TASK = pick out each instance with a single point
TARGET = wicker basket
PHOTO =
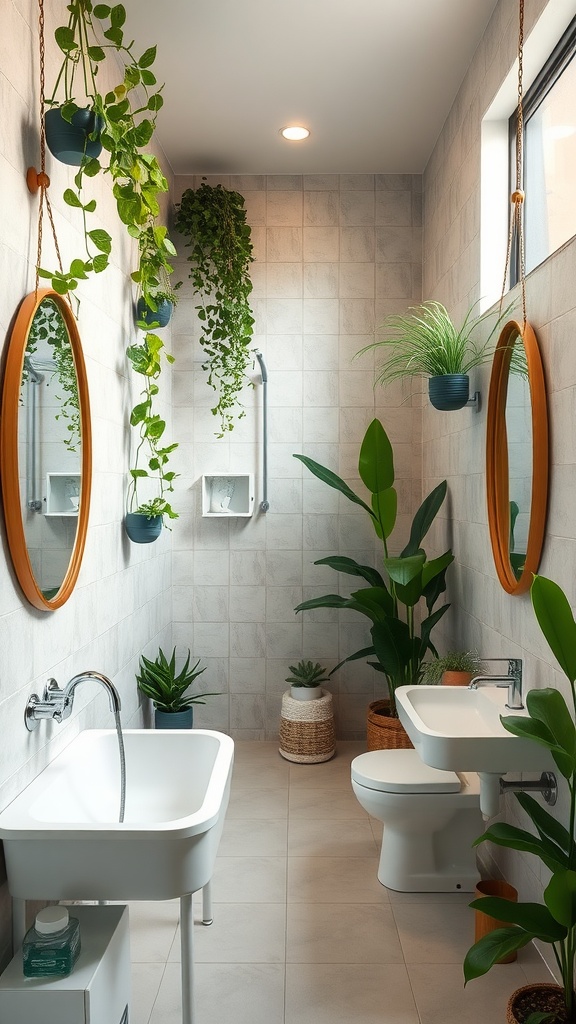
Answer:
(547, 989)
(384, 732)
(307, 729)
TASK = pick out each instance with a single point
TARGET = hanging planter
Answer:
(142, 529)
(160, 317)
(72, 142)
(449, 391)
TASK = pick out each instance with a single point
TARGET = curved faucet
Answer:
(513, 681)
(56, 703)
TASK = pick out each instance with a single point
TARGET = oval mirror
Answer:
(45, 449)
(517, 457)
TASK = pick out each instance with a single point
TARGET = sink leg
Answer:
(187, 957)
(207, 904)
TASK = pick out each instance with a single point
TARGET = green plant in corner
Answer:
(146, 361)
(166, 687)
(213, 219)
(389, 601)
(551, 724)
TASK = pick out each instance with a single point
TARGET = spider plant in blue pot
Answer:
(168, 689)
(551, 724)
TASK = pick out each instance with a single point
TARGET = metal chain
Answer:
(517, 197)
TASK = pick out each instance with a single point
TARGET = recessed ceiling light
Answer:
(295, 132)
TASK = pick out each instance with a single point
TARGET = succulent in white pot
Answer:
(306, 680)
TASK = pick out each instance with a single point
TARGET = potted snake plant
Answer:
(168, 689)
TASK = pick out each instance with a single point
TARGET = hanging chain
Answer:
(43, 180)
(517, 197)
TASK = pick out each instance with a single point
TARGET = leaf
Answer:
(90, 207)
(544, 822)
(148, 57)
(333, 480)
(101, 239)
(556, 621)
(376, 462)
(491, 948)
(71, 198)
(64, 37)
(519, 839)
(560, 898)
(424, 518)
(403, 570)
(384, 505)
(376, 602)
(100, 263)
(102, 11)
(328, 601)
(96, 53)
(549, 725)
(532, 917)
(344, 564)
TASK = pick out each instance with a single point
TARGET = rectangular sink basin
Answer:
(458, 729)
(62, 838)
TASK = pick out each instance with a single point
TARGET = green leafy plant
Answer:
(49, 327)
(551, 724)
(307, 673)
(213, 219)
(453, 661)
(166, 687)
(146, 361)
(390, 600)
(425, 342)
(95, 34)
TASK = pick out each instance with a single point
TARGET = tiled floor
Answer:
(303, 931)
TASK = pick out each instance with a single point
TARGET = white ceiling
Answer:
(373, 80)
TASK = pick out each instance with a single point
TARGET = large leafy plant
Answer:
(213, 219)
(125, 119)
(549, 723)
(404, 581)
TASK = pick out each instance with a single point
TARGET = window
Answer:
(549, 110)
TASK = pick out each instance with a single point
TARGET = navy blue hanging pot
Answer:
(69, 141)
(449, 391)
(141, 529)
(159, 317)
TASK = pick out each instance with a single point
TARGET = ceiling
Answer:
(373, 80)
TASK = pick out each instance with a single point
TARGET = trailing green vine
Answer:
(49, 327)
(213, 219)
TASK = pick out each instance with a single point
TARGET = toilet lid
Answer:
(401, 771)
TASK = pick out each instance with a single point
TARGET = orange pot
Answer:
(483, 924)
(456, 678)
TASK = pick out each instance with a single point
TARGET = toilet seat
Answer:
(401, 771)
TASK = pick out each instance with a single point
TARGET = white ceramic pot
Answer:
(305, 692)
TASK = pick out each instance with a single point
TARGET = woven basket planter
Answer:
(542, 997)
(383, 732)
(307, 729)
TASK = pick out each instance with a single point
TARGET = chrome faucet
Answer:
(513, 681)
(56, 703)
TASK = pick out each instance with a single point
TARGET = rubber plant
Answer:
(395, 590)
(213, 220)
(549, 723)
(93, 36)
(146, 361)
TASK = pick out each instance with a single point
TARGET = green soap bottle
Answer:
(51, 947)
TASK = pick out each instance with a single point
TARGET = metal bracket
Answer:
(474, 402)
(546, 785)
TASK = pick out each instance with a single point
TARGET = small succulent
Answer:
(305, 673)
(159, 681)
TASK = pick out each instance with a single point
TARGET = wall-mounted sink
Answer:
(62, 838)
(459, 729)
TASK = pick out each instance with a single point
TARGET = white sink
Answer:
(62, 838)
(459, 729)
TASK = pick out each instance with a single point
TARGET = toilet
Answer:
(430, 817)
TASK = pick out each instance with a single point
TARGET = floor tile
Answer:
(249, 880)
(243, 837)
(241, 933)
(326, 838)
(354, 879)
(441, 997)
(152, 930)
(336, 933)
(346, 993)
(434, 933)
(226, 994)
(328, 801)
(145, 980)
(258, 802)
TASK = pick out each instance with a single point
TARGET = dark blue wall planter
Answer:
(174, 719)
(142, 530)
(68, 141)
(159, 317)
(449, 391)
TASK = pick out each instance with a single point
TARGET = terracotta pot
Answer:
(382, 731)
(539, 997)
(452, 678)
(483, 923)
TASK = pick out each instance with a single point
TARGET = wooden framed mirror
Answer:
(45, 449)
(517, 457)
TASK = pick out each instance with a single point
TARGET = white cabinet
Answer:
(227, 494)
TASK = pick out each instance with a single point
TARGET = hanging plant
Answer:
(49, 328)
(118, 124)
(213, 219)
(146, 361)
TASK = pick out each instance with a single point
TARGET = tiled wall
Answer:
(333, 255)
(483, 615)
(121, 605)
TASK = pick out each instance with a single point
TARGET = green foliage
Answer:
(146, 361)
(425, 342)
(213, 220)
(550, 724)
(166, 687)
(125, 128)
(407, 580)
(453, 661)
(307, 673)
(48, 326)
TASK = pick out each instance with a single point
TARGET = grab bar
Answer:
(264, 504)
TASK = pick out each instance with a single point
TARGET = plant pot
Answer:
(305, 692)
(449, 391)
(540, 997)
(483, 923)
(453, 678)
(141, 529)
(384, 732)
(174, 719)
(160, 317)
(69, 141)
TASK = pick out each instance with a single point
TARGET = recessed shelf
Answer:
(226, 495)
(62, 494)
